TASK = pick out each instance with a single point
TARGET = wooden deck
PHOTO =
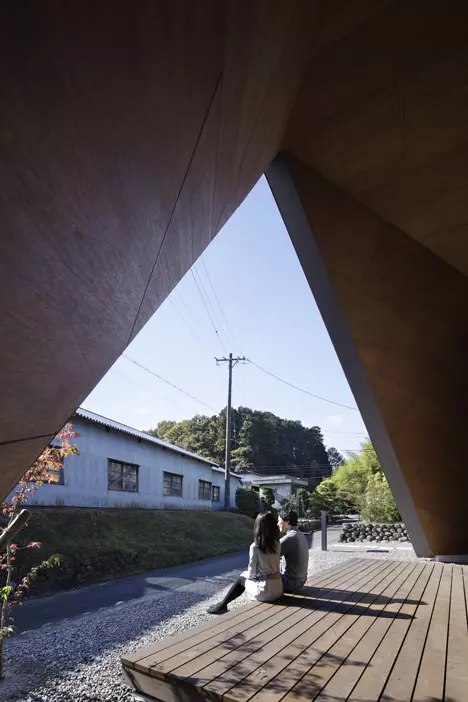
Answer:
(365, 631)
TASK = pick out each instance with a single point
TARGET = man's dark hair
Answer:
(289, 515)
(266, 533)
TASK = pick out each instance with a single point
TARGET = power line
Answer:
(352, 433)
(193, 271)
(228, 327)
(218, 324)
(134, 380)
(358, 450)
(176, 387)
(184, 320)
(177, 292)
(291, 385)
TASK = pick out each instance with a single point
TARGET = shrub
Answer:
(298, 501)
(377, 504)
(248, 501)
(268, 497)
(328, 497)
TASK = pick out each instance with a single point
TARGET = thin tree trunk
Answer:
(5, 606)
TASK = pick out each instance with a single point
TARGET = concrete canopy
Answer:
(131, 131)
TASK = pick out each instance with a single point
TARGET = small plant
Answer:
(44, 470)
(268, 497)
(378, 504)
(248, 501)
(298, 501)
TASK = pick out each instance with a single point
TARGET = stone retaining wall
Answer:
(359, 531)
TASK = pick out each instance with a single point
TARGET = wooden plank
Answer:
(230, 669)
(205, 675)
(171, 649)
(352, 564)
(241, 644)
(188, 661)
(131, 658)
(291, 674)
(161, 690)
(241, 682)
(400, 683)
(370, 665)
(431, 676)
(286, 618)
(145, 658)
(358, 645)
(456, 677)
(162, 663)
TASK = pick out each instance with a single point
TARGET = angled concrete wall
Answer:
(398, 319)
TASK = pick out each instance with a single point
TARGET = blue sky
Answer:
(272, 319)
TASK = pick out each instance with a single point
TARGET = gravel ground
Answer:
(77, 660)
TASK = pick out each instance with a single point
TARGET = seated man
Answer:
(295, 549)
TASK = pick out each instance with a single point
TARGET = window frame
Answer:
(204, 488)
(215, 489)
(60, 473)
(114, 462)
(173, 492)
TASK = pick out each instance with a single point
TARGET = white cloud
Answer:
(142, 410)
(335, 419)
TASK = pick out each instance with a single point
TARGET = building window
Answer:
(122, 476)
(55, 476)
(204, 490)
(215, 492)
(172, 485)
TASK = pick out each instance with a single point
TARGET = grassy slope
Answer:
(151, 539)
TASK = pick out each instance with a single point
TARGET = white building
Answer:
(122, 467)
(282, 485)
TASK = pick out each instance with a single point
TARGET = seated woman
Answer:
(262, 579)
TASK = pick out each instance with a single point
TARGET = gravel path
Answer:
(77, 660)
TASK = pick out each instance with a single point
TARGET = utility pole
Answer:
(227, 461)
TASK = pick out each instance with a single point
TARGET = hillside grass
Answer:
(98, 544)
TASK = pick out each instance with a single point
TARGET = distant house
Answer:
(119, 466)
(282, 485)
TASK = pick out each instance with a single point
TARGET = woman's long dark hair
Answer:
(266, 533)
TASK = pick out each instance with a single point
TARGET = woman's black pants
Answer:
(236, 590)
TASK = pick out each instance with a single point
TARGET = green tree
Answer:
(162, 429)
(248, 501)
(202, 435)
(335, 458)
(358, 485)
(378, 504)
(298, 501)
(268, 497)
(352, 476)
(302, 498)
(261, 441)
(44, 470)
(326, 497)
(369, 458)
(351, 480)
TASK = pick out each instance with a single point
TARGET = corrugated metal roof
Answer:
(218, 469)
(112, 424)
(279, 479)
